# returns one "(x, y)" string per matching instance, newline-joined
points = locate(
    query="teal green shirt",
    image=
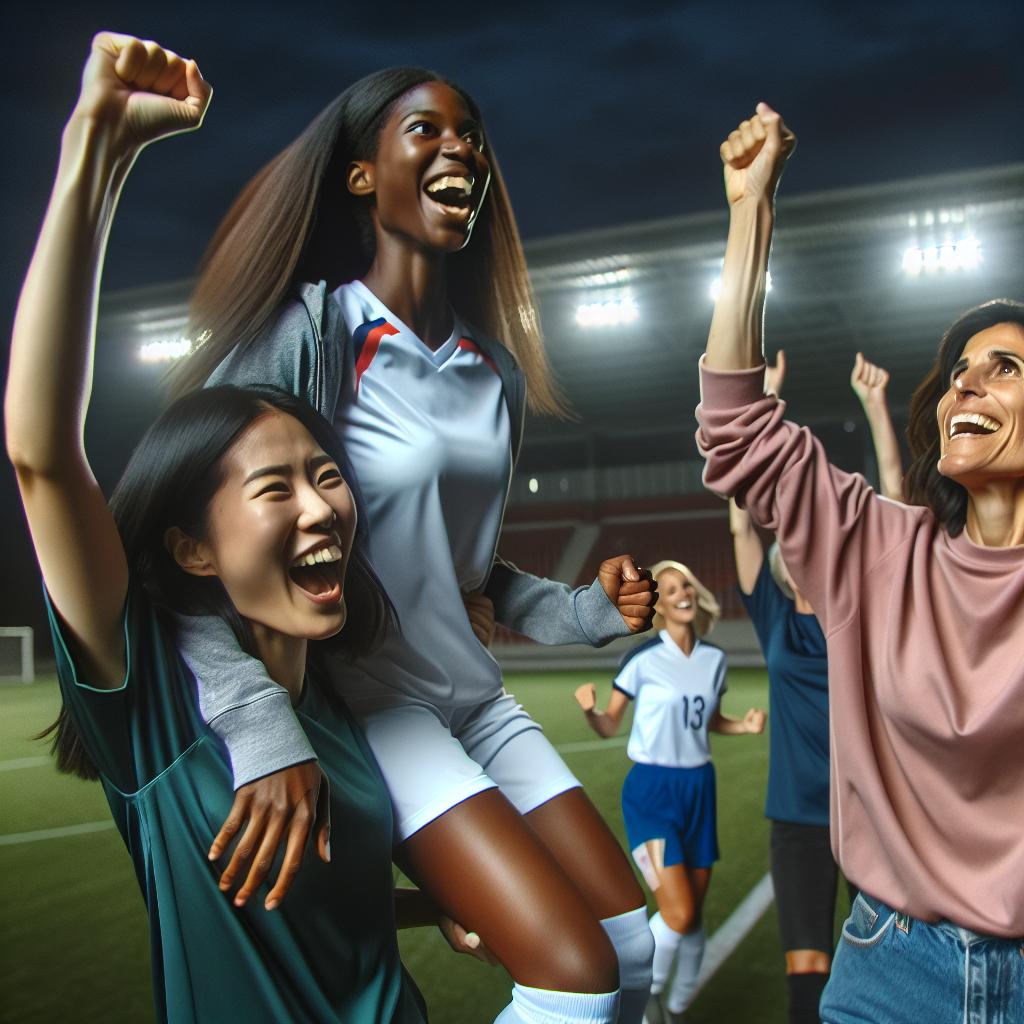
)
(329, 952)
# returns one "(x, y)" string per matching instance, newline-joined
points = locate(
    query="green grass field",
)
(74, 936)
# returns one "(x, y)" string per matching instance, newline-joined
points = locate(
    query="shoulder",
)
(647, 647)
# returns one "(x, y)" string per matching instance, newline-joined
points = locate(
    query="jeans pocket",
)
(866, 927)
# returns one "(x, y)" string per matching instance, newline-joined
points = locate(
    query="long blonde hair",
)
(708, 609)
(296, 221)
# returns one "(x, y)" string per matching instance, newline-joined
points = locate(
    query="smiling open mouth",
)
(319, 574)
(972, 423)
(452, 192)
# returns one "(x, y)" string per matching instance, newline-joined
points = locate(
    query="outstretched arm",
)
(132, 93)
(753, 156)
(869, 383)
(605, 723)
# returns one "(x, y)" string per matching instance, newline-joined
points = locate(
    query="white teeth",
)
(321, 557)
(683, 605)
(974, 418)
(449, 181)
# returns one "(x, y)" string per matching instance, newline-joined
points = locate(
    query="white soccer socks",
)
(544, 1006)
(689, 957)
(666, 942)
(631, 936)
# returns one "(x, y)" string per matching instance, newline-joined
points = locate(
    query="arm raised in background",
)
(869, 383)
(754, 157)
(605, 723)
(132, 94)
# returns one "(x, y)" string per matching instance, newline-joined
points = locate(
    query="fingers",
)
(230, 828)
(242, 855)
(586, 696)
(298, 833)
(263, 861)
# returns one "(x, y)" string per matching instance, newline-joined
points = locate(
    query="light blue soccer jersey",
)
(676, 696)
(428, 436)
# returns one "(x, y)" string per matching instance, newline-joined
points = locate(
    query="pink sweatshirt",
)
(926, 666)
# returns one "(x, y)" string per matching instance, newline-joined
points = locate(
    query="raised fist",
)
(755, 154)
(868, 381)
(630, 589)
(755, 719)
(141, 91)
(586, 696)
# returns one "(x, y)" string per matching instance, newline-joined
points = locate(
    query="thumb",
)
(322, 820)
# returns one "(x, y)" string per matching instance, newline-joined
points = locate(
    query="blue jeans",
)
(892, 969)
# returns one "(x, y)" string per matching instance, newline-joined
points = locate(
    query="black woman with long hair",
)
(922, 607)
(370, 267)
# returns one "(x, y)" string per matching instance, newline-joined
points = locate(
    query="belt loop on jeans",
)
(903, 923)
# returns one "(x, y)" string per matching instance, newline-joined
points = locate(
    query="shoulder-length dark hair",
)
(924, 484)
(170, 480)
(296, 221)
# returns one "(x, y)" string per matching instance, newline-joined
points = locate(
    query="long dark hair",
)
(170, 480)
(296, 221)
(924, 484)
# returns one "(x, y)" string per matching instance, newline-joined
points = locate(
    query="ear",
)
(192, 555)
(359, 178)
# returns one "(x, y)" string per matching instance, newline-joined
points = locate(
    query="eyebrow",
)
(996, 353)
(469, 122)
(285, 470)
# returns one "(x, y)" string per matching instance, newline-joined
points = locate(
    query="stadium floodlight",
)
(534, 485)
(610, 312)
(964, 254)
(164, 350)
(715, 288)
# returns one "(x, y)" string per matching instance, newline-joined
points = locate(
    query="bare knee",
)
(807, 961)
(681, 919)
(580, 964)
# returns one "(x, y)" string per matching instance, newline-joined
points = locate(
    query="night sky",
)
(600, 114)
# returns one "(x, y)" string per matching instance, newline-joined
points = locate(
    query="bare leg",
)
(488, 869)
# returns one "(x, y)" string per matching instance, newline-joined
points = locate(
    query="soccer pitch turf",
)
(75, 942)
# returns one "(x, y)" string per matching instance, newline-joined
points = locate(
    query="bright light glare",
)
(165, 350)
(533, 485)
(716, 286)
(609, 313)
(962, 255)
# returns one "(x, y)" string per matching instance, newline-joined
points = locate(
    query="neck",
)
(683, 636)
(995, 514)
(413, 283)
(283, 656)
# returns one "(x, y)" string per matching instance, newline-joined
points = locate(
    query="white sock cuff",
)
(546, 1006)
(690, 942)
(631, 936)
(663, 935)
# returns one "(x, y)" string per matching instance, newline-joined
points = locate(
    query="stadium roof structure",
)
(883, 269)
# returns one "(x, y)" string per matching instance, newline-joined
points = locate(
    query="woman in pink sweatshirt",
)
(922, 606)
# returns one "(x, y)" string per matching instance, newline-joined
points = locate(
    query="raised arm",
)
(753, 156)
(869, 383)
(132, 93)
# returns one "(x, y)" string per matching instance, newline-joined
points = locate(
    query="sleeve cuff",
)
(599, 619)
(730, 389)
(255, 751)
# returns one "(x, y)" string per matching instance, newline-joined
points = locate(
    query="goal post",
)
(17, 663)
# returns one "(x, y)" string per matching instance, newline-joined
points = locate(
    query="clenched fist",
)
(140, 91)
(631, 590)
(755, 155)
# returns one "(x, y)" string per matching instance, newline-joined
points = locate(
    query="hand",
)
(286, 805)
(754, 720)
(586, 696)
(868, 381)
(631, 590)
(755, 155)
(140, 90)
(480, 610)
(775, 375)
(465, 942)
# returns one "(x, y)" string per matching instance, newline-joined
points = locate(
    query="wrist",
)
(91, 140)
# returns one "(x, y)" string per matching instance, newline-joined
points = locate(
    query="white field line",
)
(734, 929)
(14, 763)
(578, 748)
(16, 838)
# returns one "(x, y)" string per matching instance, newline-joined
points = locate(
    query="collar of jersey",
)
(437, 356)
(676, 648)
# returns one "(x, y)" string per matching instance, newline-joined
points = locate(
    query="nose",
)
(969, 382)
(315, 513)
(456, 147)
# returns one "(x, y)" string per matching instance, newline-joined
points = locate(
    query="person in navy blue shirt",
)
(804, 872)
